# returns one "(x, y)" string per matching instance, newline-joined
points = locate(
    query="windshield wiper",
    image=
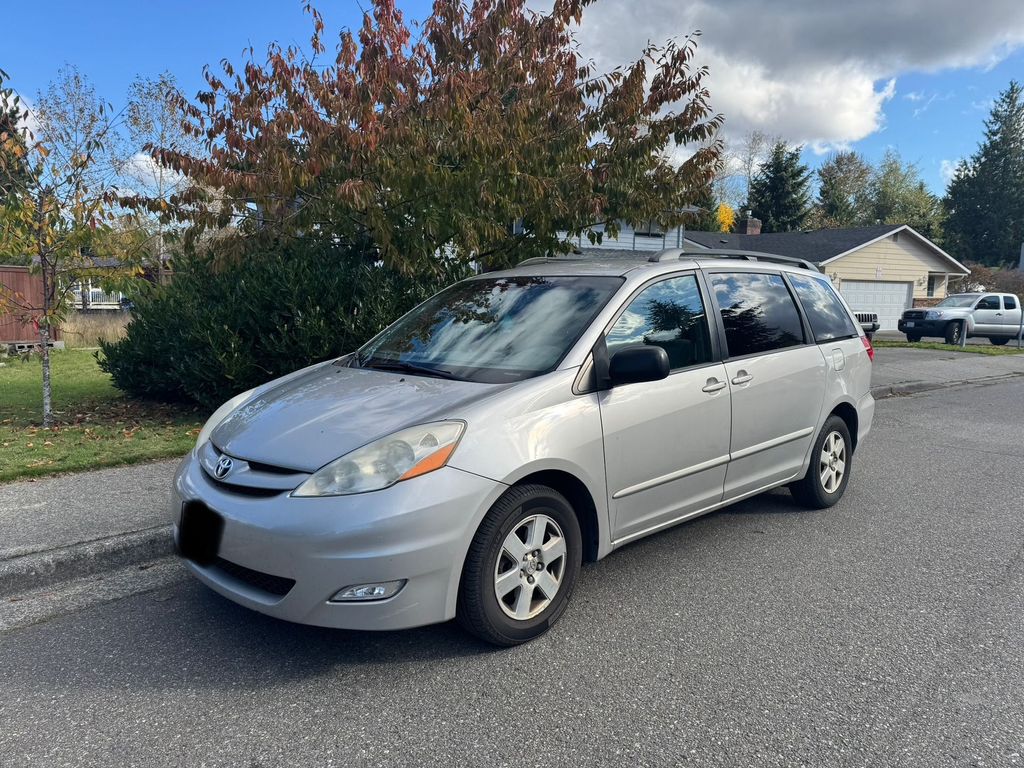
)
(401, 365)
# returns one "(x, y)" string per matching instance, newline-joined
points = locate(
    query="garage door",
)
(888, 300)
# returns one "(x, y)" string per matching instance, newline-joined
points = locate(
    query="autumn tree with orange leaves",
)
(478, 134)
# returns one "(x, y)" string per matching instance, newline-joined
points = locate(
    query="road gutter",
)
(882, 391)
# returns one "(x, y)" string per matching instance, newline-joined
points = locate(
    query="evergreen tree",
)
(706, 219)
(14, 171)
(842, 191)
(779, 194)
(985, 198)
(897, 195)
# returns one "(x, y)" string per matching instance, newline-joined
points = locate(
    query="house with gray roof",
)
(883, 269)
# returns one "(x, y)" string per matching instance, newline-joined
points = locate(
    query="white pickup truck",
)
(996, 316)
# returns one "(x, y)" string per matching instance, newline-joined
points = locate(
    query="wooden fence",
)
(15, 327)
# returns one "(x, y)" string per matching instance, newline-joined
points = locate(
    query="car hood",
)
(311, 419)
(948, 311)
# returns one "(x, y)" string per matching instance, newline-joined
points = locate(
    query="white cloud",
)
(144, 170)
(947, 169)
(819, 74)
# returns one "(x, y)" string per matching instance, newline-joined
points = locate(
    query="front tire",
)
(829, 470)
(998, 340)
(521, 566)
(954, 331)
(913, 338)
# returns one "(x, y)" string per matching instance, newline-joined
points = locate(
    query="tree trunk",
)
(44, 341)
(44, 326)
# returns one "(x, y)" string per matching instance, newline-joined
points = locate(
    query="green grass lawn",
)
(96, 425)
(975, 349)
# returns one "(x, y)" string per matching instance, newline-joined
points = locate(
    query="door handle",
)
(713, 385)
(742, 378)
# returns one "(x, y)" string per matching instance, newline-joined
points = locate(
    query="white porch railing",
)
(95, 297)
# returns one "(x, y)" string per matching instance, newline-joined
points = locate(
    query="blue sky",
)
(858, 86)
(939, 117)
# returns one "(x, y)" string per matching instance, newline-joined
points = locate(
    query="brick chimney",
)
(748, 225)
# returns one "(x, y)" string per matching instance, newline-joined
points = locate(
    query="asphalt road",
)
(887, 631)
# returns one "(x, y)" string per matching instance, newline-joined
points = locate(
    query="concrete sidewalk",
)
(900, 370)
(64, 528)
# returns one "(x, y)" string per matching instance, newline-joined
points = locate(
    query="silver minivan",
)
(465, 461)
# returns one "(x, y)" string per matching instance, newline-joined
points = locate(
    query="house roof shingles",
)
(815, 246)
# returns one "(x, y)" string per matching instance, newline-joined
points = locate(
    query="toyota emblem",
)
(223, 467)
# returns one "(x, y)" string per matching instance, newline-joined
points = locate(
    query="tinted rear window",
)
(828, 317)
(758, 312)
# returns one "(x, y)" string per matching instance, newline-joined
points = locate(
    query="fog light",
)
(381, 590)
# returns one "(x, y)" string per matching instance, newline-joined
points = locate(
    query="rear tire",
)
(998, 340)
(521, 566)
(953, 332)
(829, 470)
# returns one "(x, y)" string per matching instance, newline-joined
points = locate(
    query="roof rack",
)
(547, 260)
(715, 253)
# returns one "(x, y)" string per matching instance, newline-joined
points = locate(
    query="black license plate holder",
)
(199, 533)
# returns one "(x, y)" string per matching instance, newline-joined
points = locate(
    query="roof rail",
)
(546, 260)
(715, 253)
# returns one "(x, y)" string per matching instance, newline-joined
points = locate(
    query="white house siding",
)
(628, 240)
(899, 259)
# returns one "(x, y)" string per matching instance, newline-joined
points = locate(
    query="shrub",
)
(216, 331)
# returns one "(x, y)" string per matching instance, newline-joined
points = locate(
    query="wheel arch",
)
(848, 413)
(581, 500)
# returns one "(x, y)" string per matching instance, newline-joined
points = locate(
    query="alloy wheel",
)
(832, 465)
(530, 566)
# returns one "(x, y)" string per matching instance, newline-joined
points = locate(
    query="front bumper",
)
(923, 327)
(418, 530)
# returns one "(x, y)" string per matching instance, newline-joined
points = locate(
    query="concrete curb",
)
(42, 569)
(913, 387)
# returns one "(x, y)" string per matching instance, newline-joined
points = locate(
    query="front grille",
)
(275, 585)
(866, 317)
(243, 490)
(912, 314)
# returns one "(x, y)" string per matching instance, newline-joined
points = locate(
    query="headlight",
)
(220, 414)
(933, 315)
(382, 463)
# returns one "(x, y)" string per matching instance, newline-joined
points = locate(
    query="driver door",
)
(988, 316)
(666, 442)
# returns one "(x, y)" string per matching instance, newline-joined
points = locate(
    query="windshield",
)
(491, 330)
(960, 300)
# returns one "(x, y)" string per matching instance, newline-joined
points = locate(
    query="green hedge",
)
(214, 332)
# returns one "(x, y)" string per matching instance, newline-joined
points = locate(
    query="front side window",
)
(758, 312)
(491, 330)
(989, 302)
(669, 314)
(828, 317)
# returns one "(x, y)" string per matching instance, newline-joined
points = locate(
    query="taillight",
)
(867, 346)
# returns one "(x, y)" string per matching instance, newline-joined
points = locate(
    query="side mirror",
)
(636, 364)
